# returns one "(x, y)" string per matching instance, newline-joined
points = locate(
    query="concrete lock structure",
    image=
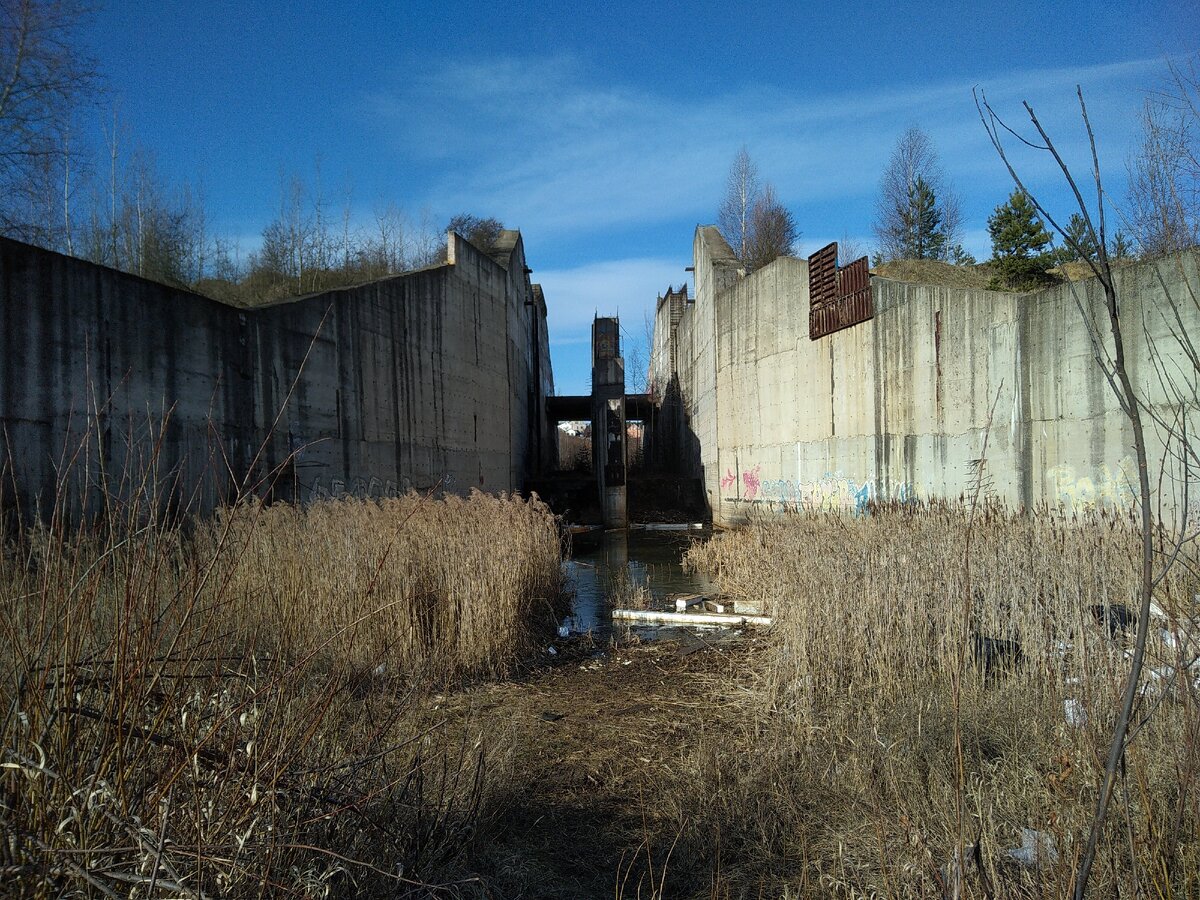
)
(899, 406)
(608, 421)
(434, 379)
(440, 379)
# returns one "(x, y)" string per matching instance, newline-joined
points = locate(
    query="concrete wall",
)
(899, 406)
(434, 377)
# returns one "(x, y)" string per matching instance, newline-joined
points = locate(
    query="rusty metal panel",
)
(838, 298)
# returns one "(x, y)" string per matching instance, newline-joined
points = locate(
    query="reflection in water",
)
(650, 559)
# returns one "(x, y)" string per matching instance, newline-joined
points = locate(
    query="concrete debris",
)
(730, 620)
(687, 601)
(1037, 849)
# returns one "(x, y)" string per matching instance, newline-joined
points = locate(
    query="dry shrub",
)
(224, 712)
(852, 787)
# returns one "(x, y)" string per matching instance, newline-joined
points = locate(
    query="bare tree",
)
(428, 241)
(917, 215)
(773, 232)
(850, 249)
(1181, 457)
(737, 207)
(391, 235)
(44, 76)
(1164, 173)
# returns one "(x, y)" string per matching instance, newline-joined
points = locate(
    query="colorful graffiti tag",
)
(1110, 487)
(833, 491)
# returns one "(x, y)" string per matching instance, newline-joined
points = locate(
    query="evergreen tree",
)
(960, 257)
(922, 219)
(917, 214)
(1079, 236)
(1120, 247)
(1020, 245)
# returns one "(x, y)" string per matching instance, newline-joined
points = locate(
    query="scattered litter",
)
(1074, 712)
(626, 662)
(1037, 849)
(552, 650)
(564, 631)
(380, 669)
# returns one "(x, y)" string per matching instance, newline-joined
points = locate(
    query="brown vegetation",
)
(231, 712)
(895, 730)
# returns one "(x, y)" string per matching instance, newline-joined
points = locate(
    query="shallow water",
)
(648, 558)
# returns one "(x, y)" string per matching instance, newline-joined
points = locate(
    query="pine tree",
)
(1120, 247)
(917, 214)
(922, 218)
(1020, 245)
(1078, 235)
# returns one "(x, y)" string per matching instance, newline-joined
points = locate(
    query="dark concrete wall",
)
(434, 377)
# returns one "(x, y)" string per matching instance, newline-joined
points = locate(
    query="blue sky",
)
(606, 134)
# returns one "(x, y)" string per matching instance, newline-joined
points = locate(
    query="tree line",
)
(918, 215)
(110, 204)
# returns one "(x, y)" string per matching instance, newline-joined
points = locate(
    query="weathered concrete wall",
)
(899, 406)
(434, 377)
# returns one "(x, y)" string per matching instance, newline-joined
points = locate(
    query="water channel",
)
(601, 564)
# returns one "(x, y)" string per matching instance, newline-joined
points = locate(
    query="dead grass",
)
(445, 589)
(851, 784)
(932, 271)
(230, 712)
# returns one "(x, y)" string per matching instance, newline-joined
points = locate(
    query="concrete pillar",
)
(608, 420)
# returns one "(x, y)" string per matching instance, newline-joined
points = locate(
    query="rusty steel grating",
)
(838, 298)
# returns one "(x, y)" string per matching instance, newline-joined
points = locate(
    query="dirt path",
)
(591, 736)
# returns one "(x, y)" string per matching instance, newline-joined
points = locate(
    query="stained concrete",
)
(899, 406)
(433, 379)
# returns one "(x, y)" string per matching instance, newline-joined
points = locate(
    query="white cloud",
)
(624, 287)
(541, 144)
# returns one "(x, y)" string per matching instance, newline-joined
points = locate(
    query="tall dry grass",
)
(223, 712)
(446, 589)
(888, 744)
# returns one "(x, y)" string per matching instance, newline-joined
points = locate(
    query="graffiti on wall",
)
(1110, 487)
(318, 488)
(833, 491)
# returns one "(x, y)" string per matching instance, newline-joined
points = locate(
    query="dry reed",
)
(850, 786)
(223, 712)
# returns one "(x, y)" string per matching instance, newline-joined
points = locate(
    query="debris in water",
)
(652, 615)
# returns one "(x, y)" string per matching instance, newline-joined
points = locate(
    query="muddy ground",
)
(587, 740)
